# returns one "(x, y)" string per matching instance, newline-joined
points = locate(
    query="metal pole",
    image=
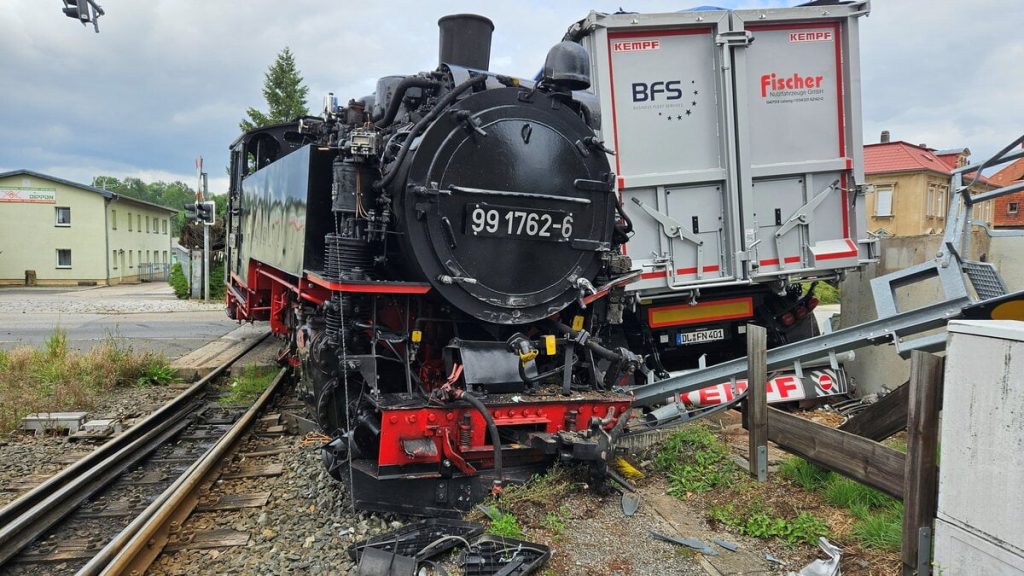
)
(206, 262)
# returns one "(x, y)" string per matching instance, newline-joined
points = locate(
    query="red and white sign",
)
(811, 36)
(22, 195)
(635, 45)
(785, 388)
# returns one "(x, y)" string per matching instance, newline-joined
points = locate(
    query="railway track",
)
(111, 512)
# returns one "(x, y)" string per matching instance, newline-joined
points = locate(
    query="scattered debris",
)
(419, 540)
(828, 567)
(630, 503)
(378, 562)
(731, 547)
(492, 555)
(693, 543)
(773, 559)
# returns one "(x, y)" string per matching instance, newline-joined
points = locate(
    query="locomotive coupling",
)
(521, 346)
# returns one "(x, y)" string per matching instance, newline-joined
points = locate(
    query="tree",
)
(284, 92)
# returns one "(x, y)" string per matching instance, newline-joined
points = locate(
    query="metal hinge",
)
(739, 38)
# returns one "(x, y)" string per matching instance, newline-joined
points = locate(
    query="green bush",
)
(178, 281)
(695, 460)
(824, 292)
(217, 287)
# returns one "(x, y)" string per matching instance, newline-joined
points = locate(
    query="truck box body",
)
(738, 132)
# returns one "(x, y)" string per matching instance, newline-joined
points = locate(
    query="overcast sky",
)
(168, 80)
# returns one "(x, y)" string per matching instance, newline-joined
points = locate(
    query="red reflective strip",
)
(775, 261)
(851, 253)
(647, 33)
(679, 272)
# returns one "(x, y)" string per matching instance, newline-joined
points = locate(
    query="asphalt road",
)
(144, 316)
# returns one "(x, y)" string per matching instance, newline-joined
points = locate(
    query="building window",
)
(113, 257)
(129, 221)
(147, 224)
(113, 219)
(63, 216)
(164, 259)
(936, 200)
(883, 201)
(147, 257)
(1012, 207)
(165, 225)
(63, 258)
(131, 261)
(138, 222)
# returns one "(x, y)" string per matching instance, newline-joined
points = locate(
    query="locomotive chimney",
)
(465, 41)
(885, 136)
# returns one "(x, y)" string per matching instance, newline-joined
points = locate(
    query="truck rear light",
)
(787, 319)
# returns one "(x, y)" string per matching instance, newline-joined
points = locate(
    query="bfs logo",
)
(654, 91)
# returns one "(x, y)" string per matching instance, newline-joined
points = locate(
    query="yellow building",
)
(58, 232)
(911, 188)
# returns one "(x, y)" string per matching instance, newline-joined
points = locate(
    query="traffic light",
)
(207, 212)
(192, 212)
(84, 11)
(77, 9)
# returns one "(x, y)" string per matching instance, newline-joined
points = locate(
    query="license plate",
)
(700, 336)
(488, 220)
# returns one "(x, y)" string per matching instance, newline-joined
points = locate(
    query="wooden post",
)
(920, 498)
(757, 400)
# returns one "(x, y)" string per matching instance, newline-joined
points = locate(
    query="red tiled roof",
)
(1013, 172)
(902, 156)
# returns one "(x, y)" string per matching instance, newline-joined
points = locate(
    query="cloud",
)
(168, 80)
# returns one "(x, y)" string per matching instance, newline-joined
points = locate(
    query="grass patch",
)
(877, 517)
(695, 461)
(557, 521)
(808, 476)
(248, 384)
(825, 292)
(757, 521)
(55, 378)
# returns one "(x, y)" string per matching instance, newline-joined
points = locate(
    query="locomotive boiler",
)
(442, 261)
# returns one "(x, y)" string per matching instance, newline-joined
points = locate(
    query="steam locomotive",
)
(442, 259)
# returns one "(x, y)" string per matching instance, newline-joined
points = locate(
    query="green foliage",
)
(178, 281)
(247, 386)
(217, 286)
(157, 373)
(808, 476)
(284, 92)
(507, 525)
(557, 521)
(695, 461)
(755, 521)
(825, 292)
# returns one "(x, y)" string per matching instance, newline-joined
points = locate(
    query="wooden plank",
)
(254, 472)
(236, 502)
(922, 473)
(883, 418)
(757, 400)
(863, 460)
(219, 538)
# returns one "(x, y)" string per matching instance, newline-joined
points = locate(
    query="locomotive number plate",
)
(512, 222)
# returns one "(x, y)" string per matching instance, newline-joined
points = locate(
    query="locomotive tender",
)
(439, 257)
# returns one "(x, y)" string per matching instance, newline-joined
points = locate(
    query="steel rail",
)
(141, 542)
(35, 512)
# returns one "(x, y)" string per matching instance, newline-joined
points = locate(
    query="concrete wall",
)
(1006, 254)
(880, 367)
(30, 236)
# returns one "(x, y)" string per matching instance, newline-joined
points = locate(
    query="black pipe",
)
(396, 98)
(492, 427)
(430, 117)
(589, 344)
